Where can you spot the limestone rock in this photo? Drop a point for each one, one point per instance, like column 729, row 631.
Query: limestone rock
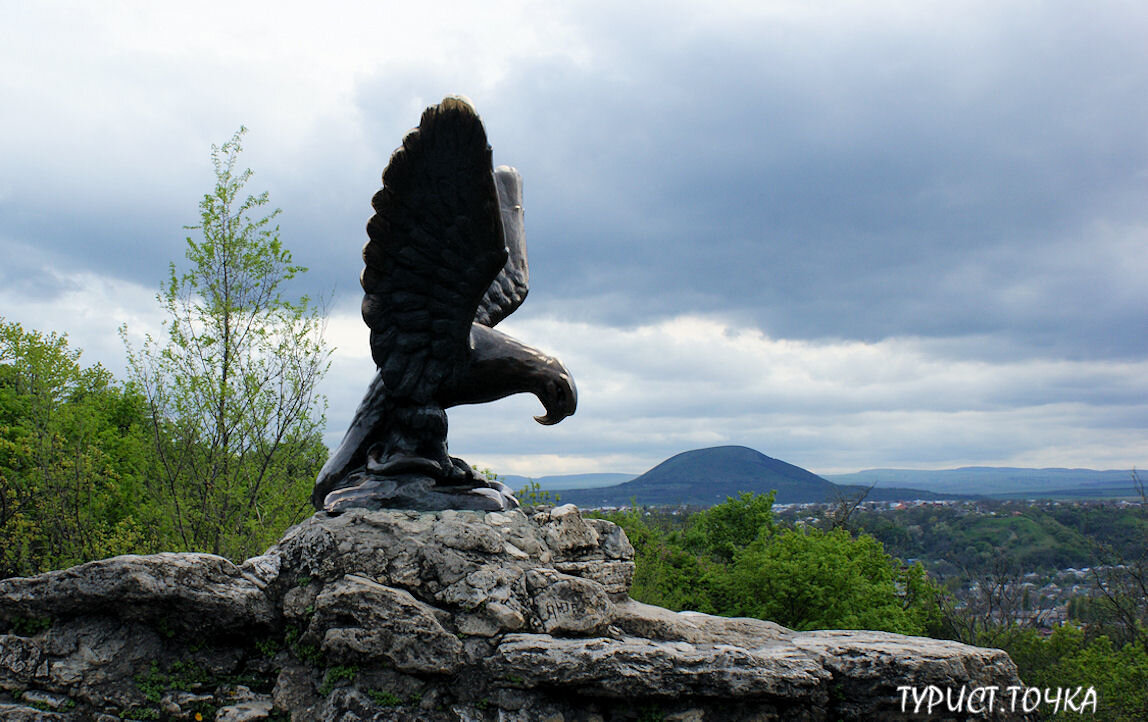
column 21, row 662
column 186, row 589
column 649, row 622
column 245, row 711
column 24, row 713
column 517, row 615
column 355, row 620
column 569, row 605
column 641, row 668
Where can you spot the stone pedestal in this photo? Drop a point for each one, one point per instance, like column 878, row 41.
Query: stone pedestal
column 452, row 615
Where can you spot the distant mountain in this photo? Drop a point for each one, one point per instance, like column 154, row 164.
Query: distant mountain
column 1001, row 481
column 705, row 477
column 565, row 481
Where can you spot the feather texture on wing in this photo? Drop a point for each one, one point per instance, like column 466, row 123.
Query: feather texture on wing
column 436, row 244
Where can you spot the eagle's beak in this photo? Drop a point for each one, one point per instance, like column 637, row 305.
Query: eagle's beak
column 560, row 396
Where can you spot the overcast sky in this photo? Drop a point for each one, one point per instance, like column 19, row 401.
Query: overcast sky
column 849, row 235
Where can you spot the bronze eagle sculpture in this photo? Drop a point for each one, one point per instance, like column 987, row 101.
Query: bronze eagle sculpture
column 445, row 262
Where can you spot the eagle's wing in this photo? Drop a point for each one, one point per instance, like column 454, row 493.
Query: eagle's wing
column 436, row 243
column 509, row 289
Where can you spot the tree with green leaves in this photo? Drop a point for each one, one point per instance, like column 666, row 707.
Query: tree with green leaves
column 731, row 559
column 1071, row 656
column 236, row 414
column 73, row 450
column 666, row 574
column 724, row 528
column 807, row 578
column 532, row 494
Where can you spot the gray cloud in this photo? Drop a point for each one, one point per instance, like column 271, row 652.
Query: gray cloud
column 952, row 197
column 859, row 186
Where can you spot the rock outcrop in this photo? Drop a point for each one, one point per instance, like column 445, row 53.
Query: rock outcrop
column 452, row 615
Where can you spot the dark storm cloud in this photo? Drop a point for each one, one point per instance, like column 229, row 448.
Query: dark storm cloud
column 918, row 180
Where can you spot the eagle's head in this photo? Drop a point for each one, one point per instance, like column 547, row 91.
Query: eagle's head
column 556, row 392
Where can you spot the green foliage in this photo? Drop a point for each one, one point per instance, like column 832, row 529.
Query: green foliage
column 486, row 473
column 534, row 495
column 303, row 652
column 29, row 626
column 813, row 579
column 731, row 560
column 1031, row 537
column 1121, row 531
column 1124, row 579
column 1069, row 658
column 1120, row 677
column 665, row 573
column 725, row 528
column 65, row 706
column 182, row 676
column 383, row 698
column 72, row 457
column 152, row 684
column 236, row 418
column 651, row 713
column 922, row 598
column 335, row 675
column 1109, row 652
column 268, row 646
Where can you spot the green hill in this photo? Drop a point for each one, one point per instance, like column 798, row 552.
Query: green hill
column 951, row 539
column 708, row 476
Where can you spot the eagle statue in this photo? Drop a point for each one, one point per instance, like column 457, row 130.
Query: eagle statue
column 444, row 264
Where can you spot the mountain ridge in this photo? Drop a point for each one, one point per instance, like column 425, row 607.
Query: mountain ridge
column 708, row 476
column 1002, row 481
